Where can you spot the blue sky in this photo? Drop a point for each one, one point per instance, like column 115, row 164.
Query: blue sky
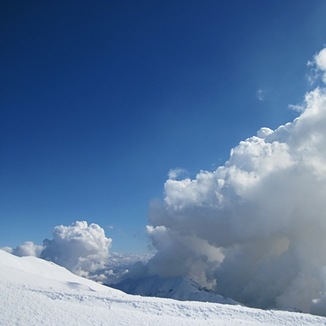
column 100, row 99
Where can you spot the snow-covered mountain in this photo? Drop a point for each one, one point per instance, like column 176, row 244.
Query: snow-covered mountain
column 178, row 288
column 38, row 292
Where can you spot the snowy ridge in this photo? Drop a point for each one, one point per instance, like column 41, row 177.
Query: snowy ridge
column 179, row 288
column 37, row 292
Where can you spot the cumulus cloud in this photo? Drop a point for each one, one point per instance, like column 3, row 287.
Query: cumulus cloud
column 81, row 248
column 254, row 229
column 28, row 248
column 84, row 249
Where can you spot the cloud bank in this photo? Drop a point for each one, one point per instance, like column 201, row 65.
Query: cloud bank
column 254, row 229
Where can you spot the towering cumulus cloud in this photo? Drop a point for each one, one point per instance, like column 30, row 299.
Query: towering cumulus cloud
column 81, row 248
column 255, row 228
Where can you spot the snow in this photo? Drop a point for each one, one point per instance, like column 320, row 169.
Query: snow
column 38, row 292
column 179, row 288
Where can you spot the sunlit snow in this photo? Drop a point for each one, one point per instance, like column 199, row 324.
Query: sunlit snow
column 38, row 292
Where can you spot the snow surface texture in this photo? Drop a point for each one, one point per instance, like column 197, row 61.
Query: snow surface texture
column 37, row 292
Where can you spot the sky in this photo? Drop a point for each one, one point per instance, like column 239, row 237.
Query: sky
column 100, row 100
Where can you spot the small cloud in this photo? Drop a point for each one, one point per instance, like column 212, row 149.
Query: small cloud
column 175, row 173
column 320, row 60
column 317, row 67
column 7, row 249
column 260, row 95
column 296, row 107
column 264, row 132
column 28, row 248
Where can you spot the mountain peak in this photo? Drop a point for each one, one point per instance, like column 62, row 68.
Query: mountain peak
column 179, row 288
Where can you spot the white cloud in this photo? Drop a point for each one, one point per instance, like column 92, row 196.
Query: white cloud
column 321, row 59
column 260, row 95
column 254, row 229
column 264, row 132
column 317, row 67
column 7, row 249
column 28, row 248
column 81, row 248
column 177, row 172
column 296, row 107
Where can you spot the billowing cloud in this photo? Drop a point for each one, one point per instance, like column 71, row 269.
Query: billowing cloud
column 81, row 248
column 254, row 229
column 28, row 248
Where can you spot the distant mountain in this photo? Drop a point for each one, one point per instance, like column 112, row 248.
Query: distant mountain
column 178, row 288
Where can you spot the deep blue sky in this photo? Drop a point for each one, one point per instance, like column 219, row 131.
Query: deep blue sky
column 100, row 99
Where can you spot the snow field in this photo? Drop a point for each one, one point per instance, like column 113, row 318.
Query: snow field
column 36, row 292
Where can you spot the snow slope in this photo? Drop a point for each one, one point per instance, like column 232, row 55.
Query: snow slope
column 37, row 292
column 179, row 288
